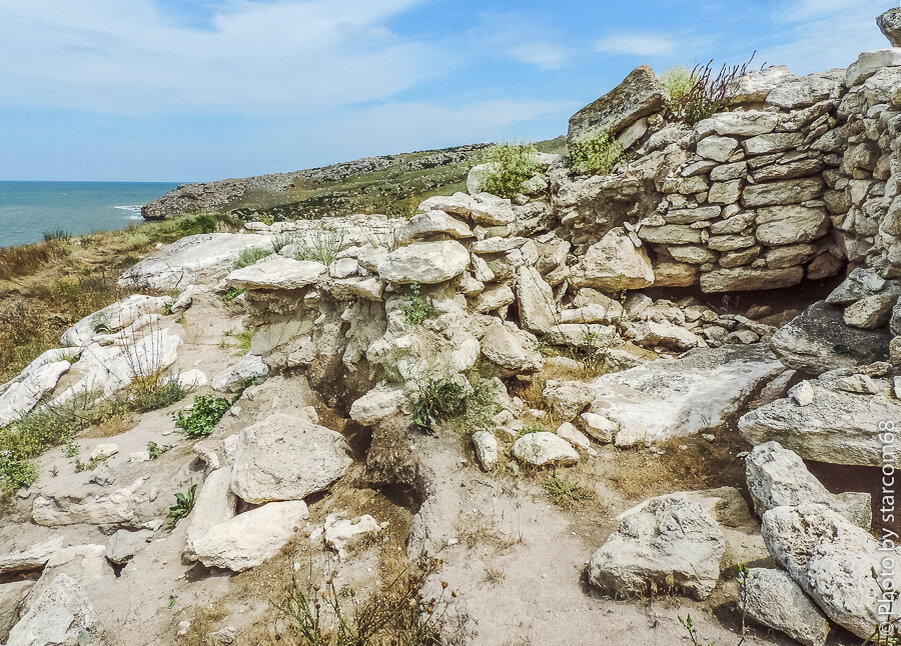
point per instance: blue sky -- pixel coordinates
(192, 90)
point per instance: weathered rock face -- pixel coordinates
(777, 477)
(249, 539)
(890, 25)
(639, 95)
(771, 598)
(544, 448)
(424, 262)
(12, 596)
(286, 458)
(666, 543)
(614, 264)
(62, 616)
(831, 559)
(276, 272)
(819, 340)
(673, 397)
(202, 258)
(839, 427)
(231, 379)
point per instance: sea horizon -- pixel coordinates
(29, 208)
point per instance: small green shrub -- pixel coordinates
(595, 153)
(513, 164)
(145, 394)
(203, 416)
(57, 234)
(418, 309)
(677, 81)
(528, 429)
(251, 257)
(320, 246)
(184, 503)
(154, 450)
(562, 489)
(280, 242)
(15, 472)
(471, 405)
(232, 293)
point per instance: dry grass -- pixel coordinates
(27, 259)
(494, 574)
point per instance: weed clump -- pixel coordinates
(203, 416)
(322, 246)
(184, 503)
(418, 309)
(698, 95)
(469, 403)
(595, 153)
(251, 257)
(510, 166)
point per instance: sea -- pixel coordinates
(28, 209)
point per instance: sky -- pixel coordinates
(195, 90)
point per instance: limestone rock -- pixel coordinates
(613, 264)
(567, 398)
(485, 445)
(831, 559)
(838, 427)
(778, 476)
(379, 403)
(436, 222)
(510, 348)
(665, 543)
(111, 318)
(33, 558)
(123, 545)
(214, 504)
(871, 312)
(286, 458)
(572, 435)
(12, 597)
(131, 505)
(749, 123)
(544, 448)
(600, 428)
(890, 25)
(859, 284)
(340, 532)
(481, 208)
(756, 85)
(249, 539)
(717, 148)
(277, 272)
(675, 397)
(804, 91)
(818, 340)
(868, 63)
(639, 95)
(791, 225)
(61, 616)
(234, 377)
(20, 397)
(792, 191)
(741, 279)
(424, 262)
(537, 307)
(667, 335)
(770, 597)
(203, 258)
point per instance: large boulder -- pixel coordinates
(20, 398)
(214, 504)
(203, 258)
(639, 95)
(890, 25)
(675, 397)
(277, 272)
(770, 597)
(510, 348)
(481, 208)
(778, 476)
(544, 448)
(613, 264)
(61, 616)
(112, 317)
(131, 506)
(832, 560)
(819, 340)
(665, 544)
(286, 458)
(424, 262)
(249, 539)
(837, 426)
(537, 307)
(12, 597)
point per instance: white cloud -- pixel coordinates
(637, 43)
(545, 55)
(822, 34)
(276, 58)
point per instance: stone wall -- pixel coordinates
(793, 183)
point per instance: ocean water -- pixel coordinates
(28, 209)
